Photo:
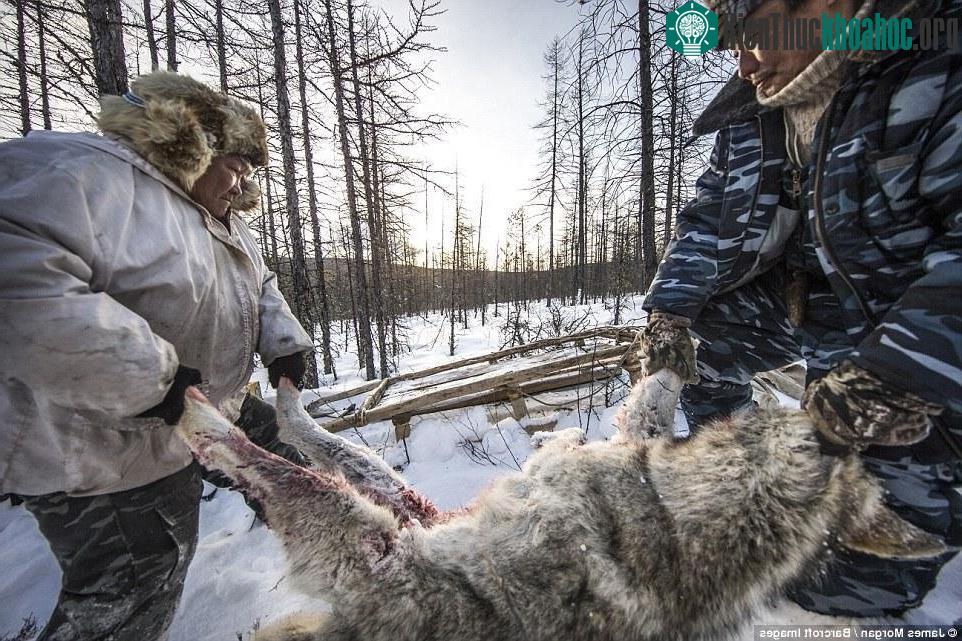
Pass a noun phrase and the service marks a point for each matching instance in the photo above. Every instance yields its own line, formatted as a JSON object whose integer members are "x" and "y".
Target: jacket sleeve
{"x": 688, "y": 273}
{"x": 918, "y": 344}
{"x": 280, "y": 334}
{"x": 76, "y": 346}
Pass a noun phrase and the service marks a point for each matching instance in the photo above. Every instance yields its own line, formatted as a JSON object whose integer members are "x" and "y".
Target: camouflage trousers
{"x": 124, "y": 557}
{"x": 746, "y": 331}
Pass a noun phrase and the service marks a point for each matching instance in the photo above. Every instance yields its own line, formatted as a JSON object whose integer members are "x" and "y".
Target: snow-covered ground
{"x": 238, "y": 581}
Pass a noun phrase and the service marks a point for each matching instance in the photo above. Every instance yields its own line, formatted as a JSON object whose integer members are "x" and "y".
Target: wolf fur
{"x": 640, "y": 538}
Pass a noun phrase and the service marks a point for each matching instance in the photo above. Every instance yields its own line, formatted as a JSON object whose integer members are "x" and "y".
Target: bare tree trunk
{"x": 552, "y": 286}
{"x": 44, "y": 81}
{"x": 104, "y": 18}
{"x": 312, "y": 198}
{"x": 365, "y": 348}
{"x": 151, "y": 38}
{"x": 646, "y": 210}
{"x": 429, "y": 289}
{"x": 497, "y": 250}
{"x": 672, "y": 127}
{"x": 370, "y": 196}
{"x": 172, "y": 62}
{"x": 454, "y": 255}
{"x": 477, "y": 259}
{"x": 268, "y": 187}
{"x": 271, "y": 225}
{"x": 582, "y": 244}
{"x": 221, "y": 48}
{"x": 22, "y": 67}
{"x": 299, "y": 278}
{"x": 389, "y": 293}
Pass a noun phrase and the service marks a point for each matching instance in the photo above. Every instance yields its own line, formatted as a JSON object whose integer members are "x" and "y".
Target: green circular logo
{"x": 692, "y": 29}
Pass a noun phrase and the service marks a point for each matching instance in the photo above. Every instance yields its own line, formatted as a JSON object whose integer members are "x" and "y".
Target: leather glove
{"x": 665, "y": 342}
{"x": 172, "y": 407}
{"x": 292, "y": 366}
{"x": 852, "y": 409}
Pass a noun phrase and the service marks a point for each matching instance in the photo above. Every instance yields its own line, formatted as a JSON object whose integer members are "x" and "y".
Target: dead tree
{"x": 370, "y": 194}
{"x": 220, "y": 43}
{"x": 454, "y": 256}
{"x": 325, "y": 310}
{"x": 171, "y": 17}
{"x": 548, "y": 181}
{"x": 646, "y": 213}
{"x": 44, "y": 81}
{"x": 105, "y": 21}
{"x": 151, "y": 37}
{"x": 298, "y": 260}
{"x": 365, "y": 347}
{"x": 22, "y": 67}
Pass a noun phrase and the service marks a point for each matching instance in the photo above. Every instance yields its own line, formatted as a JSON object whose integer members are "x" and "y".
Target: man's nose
{"x": 235, "y": 189}
{"x": 747, "y": 64}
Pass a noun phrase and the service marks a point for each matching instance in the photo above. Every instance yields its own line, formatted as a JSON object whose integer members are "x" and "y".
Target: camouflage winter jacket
{"x": 884, "y": 207}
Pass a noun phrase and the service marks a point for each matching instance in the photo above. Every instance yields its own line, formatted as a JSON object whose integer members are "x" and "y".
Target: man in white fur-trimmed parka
{"x": 127, "y": 277}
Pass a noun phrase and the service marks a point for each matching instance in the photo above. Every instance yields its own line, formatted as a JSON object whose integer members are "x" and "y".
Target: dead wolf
{"x": 641, "y": 537}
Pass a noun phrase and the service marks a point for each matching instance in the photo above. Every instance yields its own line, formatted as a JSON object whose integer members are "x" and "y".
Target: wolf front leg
{"x": 333, "y": 536}
{"x": 649, "y": 411}
{"x": 363, "y": 468}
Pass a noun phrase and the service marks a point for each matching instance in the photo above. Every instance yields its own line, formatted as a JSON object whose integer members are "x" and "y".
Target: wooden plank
{"x": 317, "y": 406}
{"x": 376, "y": 395}
{"x": 491, "y": 380}
{"x": 618, "y": 334}
{"x": 492, "y": 395}
{"x": 410, "y": 388}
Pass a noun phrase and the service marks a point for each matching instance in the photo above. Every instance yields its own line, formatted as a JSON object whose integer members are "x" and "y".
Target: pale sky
{"x": 490, "y": 79}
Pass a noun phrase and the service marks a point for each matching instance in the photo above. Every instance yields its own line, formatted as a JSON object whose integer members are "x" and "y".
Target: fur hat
{"x": 179, "y": 125}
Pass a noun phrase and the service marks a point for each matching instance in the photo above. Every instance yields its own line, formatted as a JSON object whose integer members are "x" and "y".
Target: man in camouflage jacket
{"x": 863, "y": 280}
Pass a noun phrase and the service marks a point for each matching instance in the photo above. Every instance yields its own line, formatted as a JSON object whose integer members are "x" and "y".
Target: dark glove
{"x": 172, "y": 407}
{"x": 666, "y": 343}
{"x": 293, "y": 367}
{"x": 852, "y": 408}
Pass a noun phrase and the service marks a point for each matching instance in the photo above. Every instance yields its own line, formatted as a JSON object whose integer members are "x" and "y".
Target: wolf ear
{"x": 888, "y": 535}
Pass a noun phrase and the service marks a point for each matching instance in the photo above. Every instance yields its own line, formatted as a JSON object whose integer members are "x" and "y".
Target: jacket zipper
{"x": 820, "y": 218}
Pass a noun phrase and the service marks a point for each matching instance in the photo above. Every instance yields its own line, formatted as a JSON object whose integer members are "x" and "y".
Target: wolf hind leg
{"x": 363, "y": 468}
{"x": 332, "y": 535}
{"x": 326, "y": 450}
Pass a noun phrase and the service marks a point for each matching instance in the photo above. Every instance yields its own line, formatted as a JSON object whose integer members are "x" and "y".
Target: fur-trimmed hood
{"x": 179, "y": 125}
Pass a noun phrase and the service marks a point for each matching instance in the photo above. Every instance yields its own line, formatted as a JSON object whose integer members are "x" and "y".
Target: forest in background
{"x": 338, "y": 84}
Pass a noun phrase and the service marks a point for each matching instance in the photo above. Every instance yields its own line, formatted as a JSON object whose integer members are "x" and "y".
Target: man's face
{"x": 220, "y": 184}
{"x": 771, "y": 69}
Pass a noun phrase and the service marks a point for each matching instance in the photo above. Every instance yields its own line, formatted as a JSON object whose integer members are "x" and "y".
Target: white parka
{"x": 111, "y": 276}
